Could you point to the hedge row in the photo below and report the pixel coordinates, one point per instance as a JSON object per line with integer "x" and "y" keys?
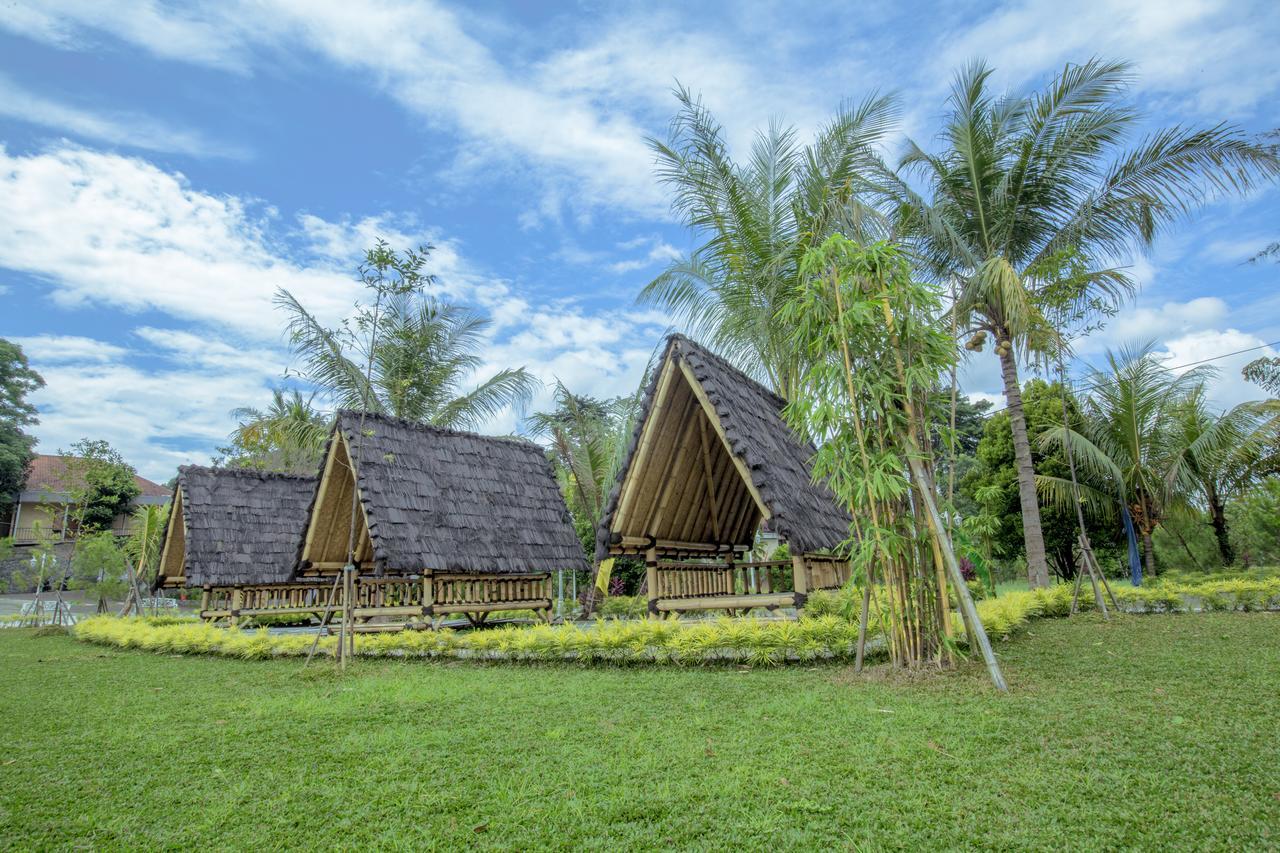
{"x": 828, "y": 631}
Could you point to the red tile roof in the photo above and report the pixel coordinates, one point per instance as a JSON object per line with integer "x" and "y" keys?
{"x": 48, "y": 473}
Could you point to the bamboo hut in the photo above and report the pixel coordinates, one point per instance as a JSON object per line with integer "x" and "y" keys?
{"x": 711, "y": 459}
{"x": 234, "y": 534}
{"x": 446, "y": 522}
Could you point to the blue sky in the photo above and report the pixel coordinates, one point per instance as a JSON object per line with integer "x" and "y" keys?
{"x": 164, "y": 168}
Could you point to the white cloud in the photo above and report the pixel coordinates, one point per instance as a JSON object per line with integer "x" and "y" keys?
{"x": 1228, "y": 387}
{"x": 572, "y": 119}
{"x": 100, "y": 229}
{"x": 660, "y": 252}
{"x": 56, "y": 349}
{"x": 1218, "y": 55}
{"x": 1139, "y": 324}
{"x": 111, "y": 230}
{"x": 190, "y": 34}
{"x": 137, "y": 131}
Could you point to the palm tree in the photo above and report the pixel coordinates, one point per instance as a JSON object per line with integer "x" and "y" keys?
{"x": 588, "y": 440}
{"x": 1024, "y": 179}
{"x": 1127, "y": 439}
{"x": 1216, "y": 455}
{"x": 756, "y": 220}
{"x": 288, "y": 436}
{"x": 426, "y": 352}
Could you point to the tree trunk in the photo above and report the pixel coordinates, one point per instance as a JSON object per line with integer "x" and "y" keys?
{"x": 1032, "y": 537}
{"x": 1148, "y": 552}
{"x": 1218, "y": 518}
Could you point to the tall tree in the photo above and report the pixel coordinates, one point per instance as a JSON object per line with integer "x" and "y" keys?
{"x": 1024, "y": 177}
{"x": 288, "y": 436}
{"x": 425, "y": 354}
{"x": 1126, "y": 439}
{"x": 756, "y": 220}
{"x": 992, "y": 485}
{"x": 17, "y": 380}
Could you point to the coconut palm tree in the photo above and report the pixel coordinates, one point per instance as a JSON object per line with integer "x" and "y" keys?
{"x": 756, "y": 220}
{"x": 1215, "y": 456}
{"x": 588, "y": 440}
{"x": 1127, "y": 439}
{"x": 425, "y": 355}
{"x": 288, "y": 436}
{"x": 1023, "y": 179}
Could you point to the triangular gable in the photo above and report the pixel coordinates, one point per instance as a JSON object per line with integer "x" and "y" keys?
{"x": 173, "y": 554}
{"x": 326, "y": 542}
{"x": 678, "y": 488}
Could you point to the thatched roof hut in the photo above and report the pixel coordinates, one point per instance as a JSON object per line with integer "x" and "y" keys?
{"x": 437, "y": 500}
{"x": 710, "y": 459}
{"x": 233, "y": 527}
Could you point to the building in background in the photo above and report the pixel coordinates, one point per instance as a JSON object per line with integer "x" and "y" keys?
{"x": 45, "y": 499}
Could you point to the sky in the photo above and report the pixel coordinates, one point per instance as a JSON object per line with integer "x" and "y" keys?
{"x": 165, "y": 168}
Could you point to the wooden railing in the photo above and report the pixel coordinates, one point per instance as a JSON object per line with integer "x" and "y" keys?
{"x": 694, "y": 580}
{"x": 391, "y": 597}
{"x": 485, "y": 593}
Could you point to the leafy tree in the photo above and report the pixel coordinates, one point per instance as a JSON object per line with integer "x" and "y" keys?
{"x": 1125, "y": 441}
{"x": 756, "y": 220}
{"x": 17, "y": 380}
{"x": 1265, "y": 372}
{"x": 993, "y": 484}
{"x": 1024, "y": 177}
{"x": 1255, "y": 524}
{"x": 100, "y": 485}
{"x": 422, "y": 355}
{"x": 288, "y": 436}
{"x": 99, "y": 566}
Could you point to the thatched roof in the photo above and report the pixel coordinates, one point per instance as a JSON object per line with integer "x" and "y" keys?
{"x": 697, "y": 409}
{"x": 232, "y": 526}
{"x": 440, "y": 499}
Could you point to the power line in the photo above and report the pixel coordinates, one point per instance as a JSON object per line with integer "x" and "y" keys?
{"x": 1083, "y": 386}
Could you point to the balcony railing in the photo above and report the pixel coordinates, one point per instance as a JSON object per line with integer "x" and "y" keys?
{"x": 30, "y": 535}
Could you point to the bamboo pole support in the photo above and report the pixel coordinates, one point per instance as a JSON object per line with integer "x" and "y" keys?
{"x": 651, "y": 579}
{"x": 800, "y": 578}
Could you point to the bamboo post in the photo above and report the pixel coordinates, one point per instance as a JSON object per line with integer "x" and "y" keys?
{"x": 800, "y": 577}
{"x": 651, "y": 579}
{"x": 237, "y": 601}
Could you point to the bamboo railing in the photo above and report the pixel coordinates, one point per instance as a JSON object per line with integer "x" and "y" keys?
{"x": 384, "y": 597}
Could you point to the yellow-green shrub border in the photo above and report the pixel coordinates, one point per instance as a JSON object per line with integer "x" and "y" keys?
{"x": 826, "y": 633}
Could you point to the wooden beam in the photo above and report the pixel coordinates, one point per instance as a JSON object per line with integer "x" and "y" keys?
{"x": 323, "y": 487}
{"x": 714, "y": 417}
{"x": 491, "y": 606}
{"x": 726, "y": 602}
{"x": 627, "y": 494}
{"x": 651, "y": 580}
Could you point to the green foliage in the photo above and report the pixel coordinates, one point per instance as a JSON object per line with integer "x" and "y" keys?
{"x": 99, "y": 484}
{"x": 1255, "y": 524}
{"x": 756, "y": 220}
{"x": 142, "y": 546}
{"x": 418, "y": 351}
{"x": 624, "y": 607}
{"x": 17, "y": 381}
{"x": 100, "y": 565}
{"x": 588, "y": 441}
{"x": 827, "y": 631}
{"x": 992, "y": 484}
{"x": 288, "y": 436}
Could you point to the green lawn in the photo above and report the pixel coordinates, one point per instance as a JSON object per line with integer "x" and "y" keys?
{"x": 1157, "y": 731}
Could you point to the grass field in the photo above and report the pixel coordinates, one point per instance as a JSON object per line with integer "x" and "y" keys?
{"x": 1157, "y": 731}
